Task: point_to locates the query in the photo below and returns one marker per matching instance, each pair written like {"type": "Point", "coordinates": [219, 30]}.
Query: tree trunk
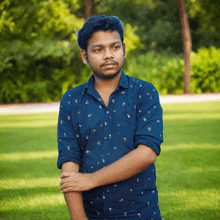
{"type": "Point", "coordinates": [88, 8]}
{"type": "Point", "coordinates": [187, 44]}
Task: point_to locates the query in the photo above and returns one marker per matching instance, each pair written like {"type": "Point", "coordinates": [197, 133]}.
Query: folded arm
{"type": "Point", "coordinates": [74, 200]}
{"type": "Point", "coordinates": [129, 165]}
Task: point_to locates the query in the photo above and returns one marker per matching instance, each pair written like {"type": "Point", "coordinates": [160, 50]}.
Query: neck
{"type": "Point", "coordinates": [107, 85]}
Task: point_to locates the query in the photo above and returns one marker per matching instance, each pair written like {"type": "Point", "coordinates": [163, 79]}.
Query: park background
{"type": "Point", "coordinates": [40, 60]}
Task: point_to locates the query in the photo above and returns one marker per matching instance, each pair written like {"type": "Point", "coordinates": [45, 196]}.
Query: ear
{"type": "Point", "coordinates": [83, 56]}
{"type": "Point", "coordinates": [124, 50]}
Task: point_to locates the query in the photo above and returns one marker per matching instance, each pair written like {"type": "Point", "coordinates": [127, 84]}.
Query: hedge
{"type": "Point", "coordinates": [44, 71]}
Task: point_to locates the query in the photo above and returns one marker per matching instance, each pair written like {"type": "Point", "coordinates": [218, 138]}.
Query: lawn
{"type": "Point", "coordinates": [188, 169]}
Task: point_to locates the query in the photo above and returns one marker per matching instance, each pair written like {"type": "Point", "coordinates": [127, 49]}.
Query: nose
{"type": "Point", "coordinates": [108, 54]}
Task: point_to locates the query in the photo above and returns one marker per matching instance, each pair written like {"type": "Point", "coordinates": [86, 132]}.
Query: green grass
{"type": "Point", "coordinates": [188, 174]}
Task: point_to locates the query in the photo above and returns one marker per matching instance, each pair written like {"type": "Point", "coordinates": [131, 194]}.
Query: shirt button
{"type": "Point", "coordinates": [107, 112]}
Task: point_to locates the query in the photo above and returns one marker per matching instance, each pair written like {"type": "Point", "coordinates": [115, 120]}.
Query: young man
{"type": "Point", "coordinates": [109, 133]}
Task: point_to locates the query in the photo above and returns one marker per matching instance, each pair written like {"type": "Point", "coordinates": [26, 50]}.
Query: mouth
{"type": "Point", "coordinates": [109, 64]}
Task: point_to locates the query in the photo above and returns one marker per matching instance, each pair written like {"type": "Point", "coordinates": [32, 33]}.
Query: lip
{"type": "Point", "coordinates": [109, 64]}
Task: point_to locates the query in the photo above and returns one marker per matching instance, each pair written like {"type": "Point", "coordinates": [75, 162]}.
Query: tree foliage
{"type": "Point", "coordinates": [29, 20]}
{"type": "Point", "coordinates": [39, 56]}
{"type": "Point", "coordinates": [205, 22]}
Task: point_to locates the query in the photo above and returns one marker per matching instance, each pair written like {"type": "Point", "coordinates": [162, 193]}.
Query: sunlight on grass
{"type": "Point", "coordinates": [187, 168]}
{"type": "Point", "coordinates": [28, 155]}
{"type": "Point", "coordinates": [189, 146]}
{"type": "Point", "coordinates": [13, 183]}
{"type": "Point", "coordinates": [191, 199]}
{"type": "Point", "coordinates": [30, 202]}
{"type": "Point", "coordinates": [197, 107]}
{"type": "Point", "coordinates": [28, 120]}
{"type": "Point", "coordinates": [182, 116]}
{"type": "Point", "coordinates": [191, 205]}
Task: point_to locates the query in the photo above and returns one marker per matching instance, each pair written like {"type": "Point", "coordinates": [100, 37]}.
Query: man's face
{"type": "Point", "coordinates": [105, 54]}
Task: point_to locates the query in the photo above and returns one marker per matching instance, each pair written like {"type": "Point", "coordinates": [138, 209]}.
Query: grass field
{"type": "Point", "coordinates": [188, 169]}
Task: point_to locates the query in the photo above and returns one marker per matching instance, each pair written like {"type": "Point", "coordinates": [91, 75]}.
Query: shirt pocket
{"type": "Point", "coordinates": [123, 126]}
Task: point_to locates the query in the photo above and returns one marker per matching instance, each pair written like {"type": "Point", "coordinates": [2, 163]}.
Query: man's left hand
{"type": "Point", "coordinates": [76, 182]}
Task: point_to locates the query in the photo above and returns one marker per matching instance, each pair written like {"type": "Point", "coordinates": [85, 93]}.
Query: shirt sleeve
{"type": "Point", "coordinates": [68, 147]}
{"type": "Point", "coordinates": [149, 124]}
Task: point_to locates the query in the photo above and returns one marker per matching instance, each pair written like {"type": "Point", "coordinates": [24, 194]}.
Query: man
{"type": "Point", "coordinates": [109, 133]}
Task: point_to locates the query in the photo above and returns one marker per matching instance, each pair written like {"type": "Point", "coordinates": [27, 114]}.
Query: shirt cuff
{"type": "Point", "coordinates": [150, 142]}
{"type": "Point", "coordinates": [68, 154]}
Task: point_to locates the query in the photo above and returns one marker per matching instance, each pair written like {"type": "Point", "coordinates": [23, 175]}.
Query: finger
{"type": "Point", "coordinates": [67, 189]}
{"type": "Point", "coordinates": [64, 186]}
{"type": "Point", "coordinates": [64, 175]}
{"type": "Point", "coordinates": [70, 189]}
{"type": "Point", "coordinates": [62, 182]}
{"type": "Point", "coordinates": [65, 180]}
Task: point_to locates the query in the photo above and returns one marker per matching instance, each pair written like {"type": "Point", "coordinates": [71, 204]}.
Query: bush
{"type": "Point", "coordinates": [205, 74]}
{"type": "Point", "coordinates": [42, 71]}
{"type": "Point", "coordinates": [162, 70]}
{"type": "Point", "coordinates": [45, 70]}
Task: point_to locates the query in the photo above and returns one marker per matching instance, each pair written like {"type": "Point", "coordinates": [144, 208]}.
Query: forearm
{"type": "Point", "coordinates": [74, 200]}
{"type": "Point", "coordinates": [131, 164]}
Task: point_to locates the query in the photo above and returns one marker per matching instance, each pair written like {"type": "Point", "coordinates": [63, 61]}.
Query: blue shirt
{"type": "Point", "coordinates": [94, 136]}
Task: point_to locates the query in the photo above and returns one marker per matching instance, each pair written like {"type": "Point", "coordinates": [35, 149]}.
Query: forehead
{"type": "Point", "coordinates": [104, 38]}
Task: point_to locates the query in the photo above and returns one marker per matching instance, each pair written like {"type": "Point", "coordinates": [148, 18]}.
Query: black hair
{"type": "Point", "coordinates": [99, 23]}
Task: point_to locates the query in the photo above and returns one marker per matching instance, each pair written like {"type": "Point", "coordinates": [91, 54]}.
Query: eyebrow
{"type": "Point", "coordinates": [101, 45]}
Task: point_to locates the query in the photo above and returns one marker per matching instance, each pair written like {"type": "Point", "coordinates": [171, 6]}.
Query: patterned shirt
{"type": "Point", "coordinates": [94, 136]}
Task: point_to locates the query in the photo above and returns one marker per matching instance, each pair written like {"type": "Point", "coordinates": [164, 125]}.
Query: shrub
{"type": "Point", "coordinates": [45, 70]}
{"type": "Point", "coordinates": [42, 71]}
{"type": "Point", "coordinates": [162, 70]}
{"type": "Point", "coordinates": [205, 74]}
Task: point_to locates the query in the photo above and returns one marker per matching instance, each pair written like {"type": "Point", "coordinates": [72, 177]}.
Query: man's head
{"type": "Point", "coordinates": [99, 23]}
{"type": "Point", "coordinates": [102, 47]}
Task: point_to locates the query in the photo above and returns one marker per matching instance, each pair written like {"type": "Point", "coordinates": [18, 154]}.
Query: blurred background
{"type": "Point", "coordinates": [40, 60]}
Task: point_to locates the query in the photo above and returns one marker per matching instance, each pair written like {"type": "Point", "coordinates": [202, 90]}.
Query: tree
{"type": "Point", "coordinates": [26, 20]}
{"type": "Point", "coordinates": [187, 44]}
{"type": "Point", "coordinates": [204, 20]}
{"type": "Point", "coordinates": [88, 8]}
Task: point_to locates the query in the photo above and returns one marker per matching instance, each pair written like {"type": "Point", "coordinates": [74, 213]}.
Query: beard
{"type": "Point", "coordinates": [106, 77]}
{"type": "Point", "coordinates": [101, 75]}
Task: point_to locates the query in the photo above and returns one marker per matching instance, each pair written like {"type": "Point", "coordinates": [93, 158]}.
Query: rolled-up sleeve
{"type": "Point", "coordinates": [68, 147]}
{"type": "Point", "coordinates": [149, 124]}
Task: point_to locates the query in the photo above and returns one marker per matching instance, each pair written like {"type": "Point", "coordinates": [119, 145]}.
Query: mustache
{"type": "Point", "coordinates": [109, 62]}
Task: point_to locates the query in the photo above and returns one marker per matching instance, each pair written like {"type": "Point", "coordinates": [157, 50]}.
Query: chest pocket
{"type": "Point", "coordinates": [124, 117]}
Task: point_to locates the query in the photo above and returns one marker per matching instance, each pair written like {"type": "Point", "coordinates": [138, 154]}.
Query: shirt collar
{"type": "Point", "coordinates": [89, 85]}
{"type": "Point", "coordinates": [123, 81]}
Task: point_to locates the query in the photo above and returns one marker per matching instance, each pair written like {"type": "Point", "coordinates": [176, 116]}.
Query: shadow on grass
{"type": "Point", "coordinates": [192, 214]}
{"type": "Point", "coordinates": [57, 212]}
{"type": "Point", "coordinates": [29, 192]}
{"type": "Point", "coordinates": [203, 131]}
{"type": "Point", "coordinates": [195, 169]}
{"type": "Point", "coordinates": [60, 212]}
{"type": "Point", "coordinates": [46, 167]}
{"type": "Point", "coordinates": [28, 139]}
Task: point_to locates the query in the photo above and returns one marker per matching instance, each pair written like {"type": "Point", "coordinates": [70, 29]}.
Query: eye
{"type": "Point", "coordinates": [97, 50]}
{"type": "Point", "coordinates": [116, 47]}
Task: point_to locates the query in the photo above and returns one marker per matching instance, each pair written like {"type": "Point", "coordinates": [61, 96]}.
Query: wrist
{"type": "Point", "coordinates": [94, 180]}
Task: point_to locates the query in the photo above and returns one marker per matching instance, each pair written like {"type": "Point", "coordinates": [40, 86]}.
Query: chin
{"type": "Point", "coordinates": [107, 75]}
